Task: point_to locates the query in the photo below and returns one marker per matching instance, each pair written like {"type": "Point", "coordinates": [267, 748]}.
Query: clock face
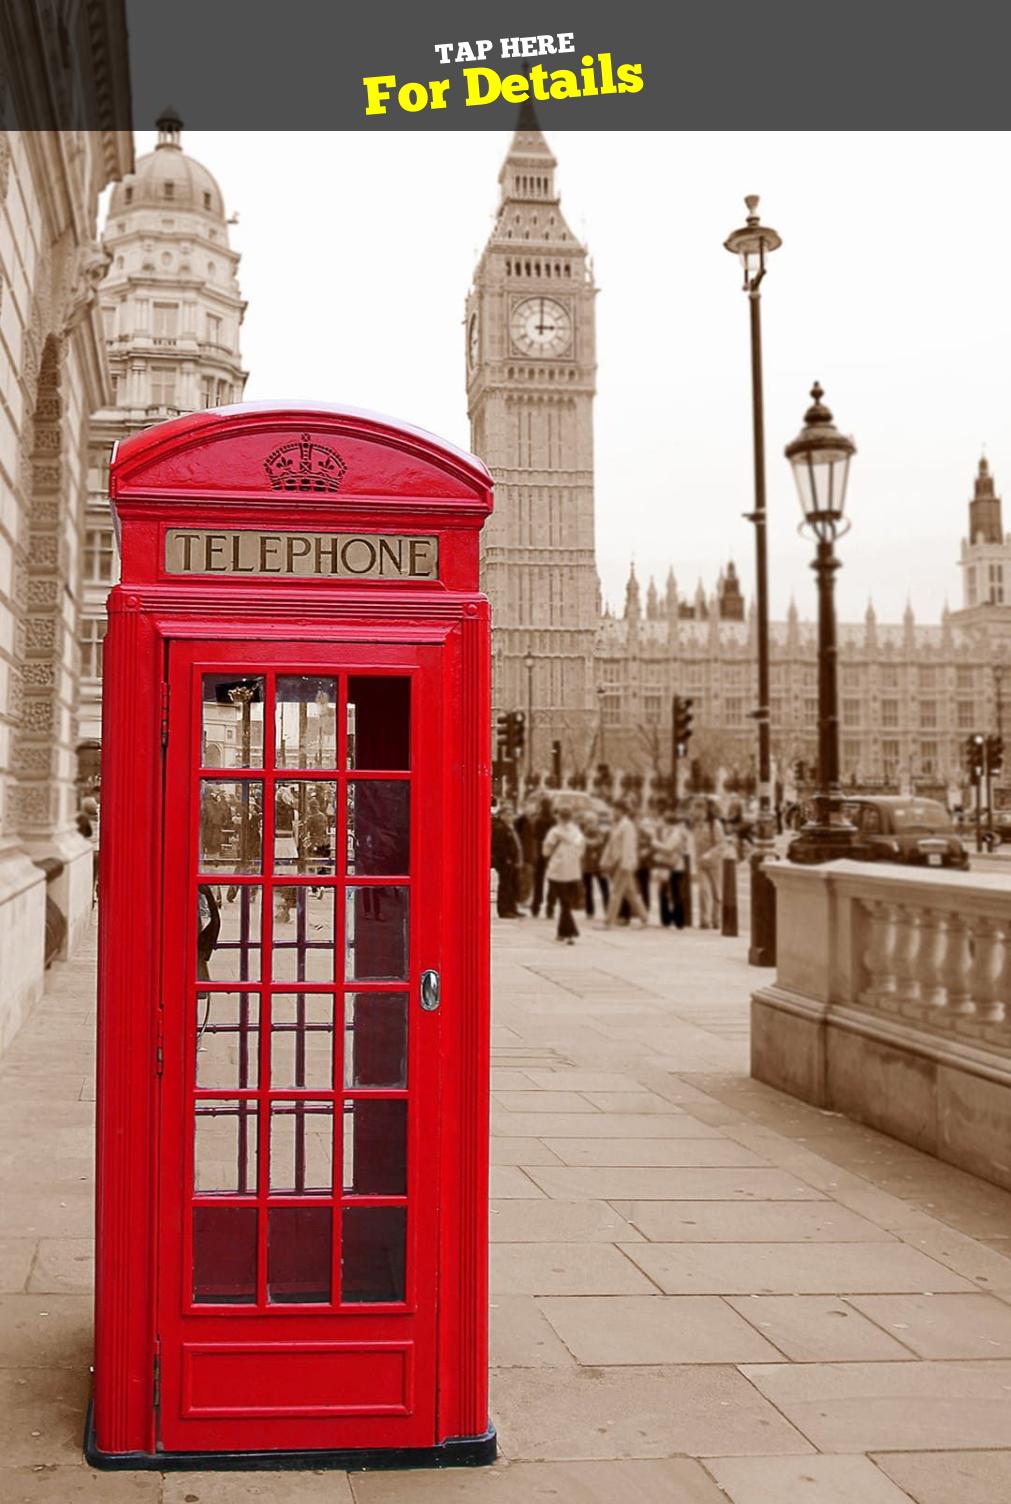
{"type": "Point", "coordinates": [541, 326]}
{"type": "Point", "coordinates": [473, 341]}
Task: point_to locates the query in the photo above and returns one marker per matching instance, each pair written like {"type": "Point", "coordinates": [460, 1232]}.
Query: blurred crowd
{"type": "Point", "coordinates": [570, 851]}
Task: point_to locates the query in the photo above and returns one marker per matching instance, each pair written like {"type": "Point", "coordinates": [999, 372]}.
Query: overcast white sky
{"type": "Point", "coordinates": [893, 288]}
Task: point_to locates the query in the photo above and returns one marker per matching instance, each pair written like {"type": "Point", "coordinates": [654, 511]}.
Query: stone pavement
{"type": "Point", "coordinates": [702, 1289]}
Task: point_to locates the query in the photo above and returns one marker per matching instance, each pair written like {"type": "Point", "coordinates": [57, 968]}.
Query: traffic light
{"type": "Point", "coordinates": [502, 737]}
{"type": "Point", "coordinates": [556, 762]}
{"type": "Point", "coordinates": [682, 723]}
{"type": "Point", "coordinates": [975, 756]}
{"type": "Point", "coordinates": [994, 754]}
{"type": "Point", "coordinates": [519, 732]}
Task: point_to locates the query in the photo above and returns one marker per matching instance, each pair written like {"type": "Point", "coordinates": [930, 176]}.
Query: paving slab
{"type": "Point", "coordinates": [520, 1102]}
{"type": "Point", "coordinates": [546, 1221]}
{"type": "Point", "coordinates": [790, 1268]}
{"type": "Point", "coordinates": [78, 1485]}
{"type": "Point", "coordinates": [521, 1151]}
{"type": "Point", "coordinates": [668, 1153]}
{"type": "Point", "coordinates": [576, 1182]}
{"type": "Point", "coordinates": [872, 1407]}
{"type": "Point", "coordinates": [696, 1411]}
{"type": "Point", "coordinates": [804, 1480]}
{"type": "Point", "coordinates": [522, 1337]}
{"type": "Point", "coordinates": [950, 1477]}
{"type": "Point", "coordinates": [548, 1125]}
{"type": "Point", "coordinates": [749, 1222]}
{"type": "Point", "coordinates": [674, 1480]}
{"type": "Point", "coordinates": [819, 1328]}
{"type": "Point", "coordinates": [564, 1269]}
{"type": "Point", "coordinates": [322, 1487]}
{"type": "Point", "coordinates": [943, 1326]}
{"type": "Point", "coordinates": [633, 1329]}
{"type": "Point", "coordinates": [46, 1331]}
{"type": "Point", "coordinates": [16, 1258]}
{"type": "Point", "coordinates": [63, 1265]}
{"type": "Point", "coordinates": [42, 1415]}
{"type": "Point", "coordinates": [508, 1182]}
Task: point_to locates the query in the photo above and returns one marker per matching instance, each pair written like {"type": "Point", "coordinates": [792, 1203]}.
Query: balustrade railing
{"type": "Point", "coordinates": [937, 953]}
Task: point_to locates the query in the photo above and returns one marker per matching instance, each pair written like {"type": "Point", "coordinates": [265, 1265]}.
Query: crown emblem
{"type": "Point", "coordinates": [304, 465]}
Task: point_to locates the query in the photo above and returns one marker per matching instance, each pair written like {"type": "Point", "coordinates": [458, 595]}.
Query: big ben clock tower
{"type": "Point", "coordinates": [531, 365]}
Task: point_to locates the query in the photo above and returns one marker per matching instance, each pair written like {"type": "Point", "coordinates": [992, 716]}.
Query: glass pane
{"type": "Point", "coordinates": [304, 815]}
{"type": "Point", "coordinates": [372, 1254]}
{"type": "Point", "coordinates": [231, 824]}
{"type": "Point", "coordinates": [301, 1040]}
{"type": "Point", "coordinates": [225, 1148]}
{"type": "Point", "coordinates": [379, 828]}
{"type": "Point", "coordinates": [379, 723]}
{"type": "Point", "coordinates": [303, 934]}
{"type": "Point", "coordinates": [301, 1146]}
{"type": "Point", "coordinates": [299, 1254]}
{"type": "Point", "coordinates": [224, 1255]}
{"type": "Point", "coordinates": [375, 1147]}
{"type": "Point", "coordinates": [375, 938]}
{"type": "Point", "coordinates": [306, 722]}
{"type": "Point", "coordinates": [228, 932]}
{"type": "Point", "coordinates": [232, 726]}
{"type": "Point", "coordinates": [227, 1040]}
{"type": "Point", "coordinates": [375, 1039]}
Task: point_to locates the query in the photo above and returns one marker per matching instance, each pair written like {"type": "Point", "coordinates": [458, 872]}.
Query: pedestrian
{"type": "Point", "coordinates": [563, 853]}
{"type": "Point", "coordinates": [317, 839]}
{"type": "Point", "coordinates": [708, 838]}
{"type": "Point", "coordinates": [620, 859]}
{"type": "Point", "coordinates": [524, 828]}
{"type": "Point", "coordinates": [543, 821]}
{"type": "Point", "coordinates": [88, 824]}
{"type": "Point", "coordinates": [669, 847]}
{"type": "Point", "coordinates": [594, 841]}
{"type": "Point", "coordinates": [286, 833]}
{"type": "Point", "coordinates": [506, 858]}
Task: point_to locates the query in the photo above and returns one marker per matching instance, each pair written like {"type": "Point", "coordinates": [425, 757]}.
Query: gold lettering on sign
{"type": "Point", "coordinates": [347, 556]}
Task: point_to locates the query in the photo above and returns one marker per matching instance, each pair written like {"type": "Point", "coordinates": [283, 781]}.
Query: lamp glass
{"type": "Point", "coordinates": [822, 475]}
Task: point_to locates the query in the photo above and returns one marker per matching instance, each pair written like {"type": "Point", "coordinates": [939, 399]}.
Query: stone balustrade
{"type": "Point", "coordinates": [892, 1004]}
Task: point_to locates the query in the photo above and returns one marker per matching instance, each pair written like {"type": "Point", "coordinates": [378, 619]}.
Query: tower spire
{"type": "Point", "coordinates": [985, 521]}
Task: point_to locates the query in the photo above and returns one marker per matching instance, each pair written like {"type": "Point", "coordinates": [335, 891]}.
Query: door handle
{"type": "Point", "coordinates": [430, 989]}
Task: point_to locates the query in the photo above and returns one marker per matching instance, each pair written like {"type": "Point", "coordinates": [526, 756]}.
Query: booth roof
{"type": "Point", "coordinates": [323, 415]}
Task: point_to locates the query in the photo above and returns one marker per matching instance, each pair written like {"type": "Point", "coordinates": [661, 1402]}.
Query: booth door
{"type": "Point", "coordinates": [299, 1133]}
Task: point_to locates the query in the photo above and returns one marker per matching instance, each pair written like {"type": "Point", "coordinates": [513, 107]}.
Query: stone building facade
{"type": "Point", "coordinates": [53, 375]}
{"type": "Point", "coordinates": [171, 314]}
{"type": "Point", "coordinates": [602, 684]}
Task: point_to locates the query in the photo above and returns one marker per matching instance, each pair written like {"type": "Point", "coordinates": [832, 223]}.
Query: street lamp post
{"type": "Point", "coordinates": [820, 457]}
{"type": "Point", "coordinates": [600, 722]}
{"type": "Point", "coordinates": [753, 242]}
{"type": "Point", "coordinates": [529, 664]}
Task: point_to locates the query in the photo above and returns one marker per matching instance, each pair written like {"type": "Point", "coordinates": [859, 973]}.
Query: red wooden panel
{"type": "Point", "coordinates": [243, 1381]}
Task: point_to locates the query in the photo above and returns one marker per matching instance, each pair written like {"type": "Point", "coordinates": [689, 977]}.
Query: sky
{"type": "Point", "coordinates": [892, 288]}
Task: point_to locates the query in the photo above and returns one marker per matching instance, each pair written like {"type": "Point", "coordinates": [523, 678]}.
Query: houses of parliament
{"type": "Point", "coordinates": [599, 683]}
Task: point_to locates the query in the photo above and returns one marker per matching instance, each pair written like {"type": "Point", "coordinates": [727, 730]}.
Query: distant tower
{"type": "Point", "coordinates": [172, 309]}
{"type": "Point", "coordinates": [986, 553]}
{"type": "Point", "coordinates": [531, 369]}
{"type": "Point", "coordinates": [730, 598]}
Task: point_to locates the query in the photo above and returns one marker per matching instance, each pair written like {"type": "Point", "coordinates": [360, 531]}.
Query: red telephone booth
{"type": "Point", "coordinates": [293, 1006]}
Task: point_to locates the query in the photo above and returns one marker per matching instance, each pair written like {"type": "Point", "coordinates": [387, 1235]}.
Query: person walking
{"type": "Point", "coordinates": [708, 837]}
{"type": "Point", "coordinates": [563, 853]}
{"type": "Point", "coordinates": [506, 857]}
{"type": "Point", "coordinates": [669, 845]}
{"type": "Point", "coordinates": [543, 821]}
{"type": "Point", "coordinates": [594, 839]}
{"type": "Point", "coordinates": [620, 859]}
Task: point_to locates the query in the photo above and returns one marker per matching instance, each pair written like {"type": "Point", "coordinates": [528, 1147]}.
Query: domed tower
{"type": "Point", "coordinates": [171, 300]}
{"type": "Point", "coordinates": [172, 312]}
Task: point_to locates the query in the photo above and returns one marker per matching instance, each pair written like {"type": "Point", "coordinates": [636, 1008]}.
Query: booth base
{"type": "Point", "coordinates": [457, 1451]}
